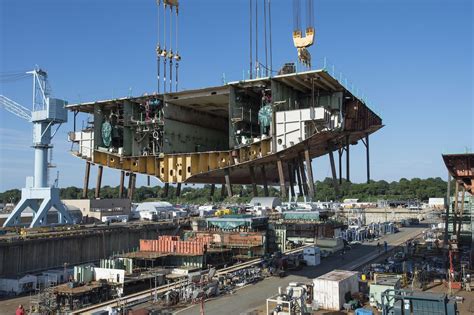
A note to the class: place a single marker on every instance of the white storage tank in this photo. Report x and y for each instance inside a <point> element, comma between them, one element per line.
<point>329,289</point>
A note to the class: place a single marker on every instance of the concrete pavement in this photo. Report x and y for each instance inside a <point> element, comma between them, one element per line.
<point>254,296</point>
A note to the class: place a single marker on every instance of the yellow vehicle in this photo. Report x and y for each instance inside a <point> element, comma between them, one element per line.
<point>222,212</point>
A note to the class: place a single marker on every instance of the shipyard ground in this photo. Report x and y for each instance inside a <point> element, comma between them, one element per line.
<point>253,297</point>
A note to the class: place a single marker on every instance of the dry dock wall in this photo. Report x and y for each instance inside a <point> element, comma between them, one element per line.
<point>19,256</point>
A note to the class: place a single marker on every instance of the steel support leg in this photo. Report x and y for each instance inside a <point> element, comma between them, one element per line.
<point>281,175</point>
<point>309,170</point>
<point>303,176</point>
<point>122,183</point>
<point>348,173</point>
<point>227,182</point>
<point>340,152</point>
<point>291,177</point>
<point>211,193</point>
<point>298,178</point>
<point>178,189</point>
<point>367,149</point>
<point>264,179</point>
<point>252,179</point>
<point>131,185</point>
<point>99,181</point>
<point>85,190</point>
<point>333,171</point>
<point>447,204</point>
<point>223,191</point>
<point>166,189</point>
<point>456,205</point>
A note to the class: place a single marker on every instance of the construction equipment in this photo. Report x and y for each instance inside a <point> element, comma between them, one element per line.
<point>404,302</point>
<point>46,112</point>
<point>291,302</point>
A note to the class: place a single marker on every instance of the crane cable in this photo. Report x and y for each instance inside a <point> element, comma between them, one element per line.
<point>170,54</point>
<point>250,28</point>
<point>158,48</point>
<point>177,53</point>
<point>257,67</point>
<point>265,35</point>
<point>270,29</point>
<point>164,47</point>
<point>296,15</point>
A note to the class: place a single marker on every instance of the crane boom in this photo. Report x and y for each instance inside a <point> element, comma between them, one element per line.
<point>15,108</point>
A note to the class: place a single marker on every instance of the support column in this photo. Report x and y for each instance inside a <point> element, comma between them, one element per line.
<point>348,173</point>
<point>265,184</point>
<point>281,175</point>
<point>303,175</point>
<point>340,151</point>
<point>447,204</point>
<point>122,183</point>
<point>252,179</point>
<point>131,185</point>
<point>178,189</point>
<point>461,213</point>
<point>291,172</point>
<point>333,171</point>
<point>213,189</point>
<point>227,182</point>
<point>223,191</point>
<point>166,189</point>
<point>367,151</point>
<point>85,190</point>
<point>98,182</point>
<point>455,211</point>
<point>309,170</point>
<point>298,178</point>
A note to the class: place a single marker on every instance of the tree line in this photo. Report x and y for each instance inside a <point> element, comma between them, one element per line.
<point>404,189</point>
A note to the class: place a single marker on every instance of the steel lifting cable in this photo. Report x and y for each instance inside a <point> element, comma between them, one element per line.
<point>265,35</point>
<point>164,47</point>
<point>310,13</point>
<point>251,31</point>
<point>158,48</point>
<point>177,54</point>
<point>256,38</point>
<point>270,29</point>
<point>296,15</point>
<point>170,55</point>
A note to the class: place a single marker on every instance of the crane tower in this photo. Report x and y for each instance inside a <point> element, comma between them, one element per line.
<point>46,112</point>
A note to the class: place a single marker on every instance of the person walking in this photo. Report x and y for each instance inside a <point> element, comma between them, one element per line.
<point>385,246</point>
<point>20,310</point>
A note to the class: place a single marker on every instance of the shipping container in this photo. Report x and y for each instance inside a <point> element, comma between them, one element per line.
<point>330,289</point>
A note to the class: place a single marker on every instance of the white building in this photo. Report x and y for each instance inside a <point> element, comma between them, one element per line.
<point>265,202</point>
<point>157,210</point>
<point>436,203</point>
